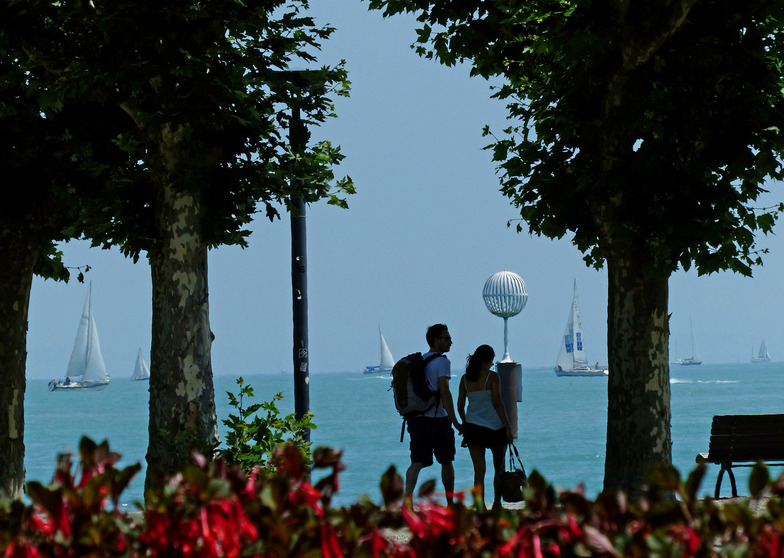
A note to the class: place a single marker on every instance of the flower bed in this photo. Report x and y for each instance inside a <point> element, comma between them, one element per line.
<point>212,509</point>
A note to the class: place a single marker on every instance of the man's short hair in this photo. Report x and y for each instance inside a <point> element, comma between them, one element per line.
<point>433,332</point>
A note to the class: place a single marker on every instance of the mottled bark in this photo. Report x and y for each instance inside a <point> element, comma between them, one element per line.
<point>638,412</point>
<point>182,398</point>
<point>16,279</point>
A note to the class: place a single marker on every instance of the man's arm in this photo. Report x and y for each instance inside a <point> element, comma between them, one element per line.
<point>447,402</point>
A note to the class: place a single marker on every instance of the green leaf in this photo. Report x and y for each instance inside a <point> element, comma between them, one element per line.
<point>759,479</point>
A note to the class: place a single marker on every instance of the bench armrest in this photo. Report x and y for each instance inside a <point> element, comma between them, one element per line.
<point>702,458</point>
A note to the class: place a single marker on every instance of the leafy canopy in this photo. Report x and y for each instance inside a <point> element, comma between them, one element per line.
<point>645,128</point>
<point>197,95</point>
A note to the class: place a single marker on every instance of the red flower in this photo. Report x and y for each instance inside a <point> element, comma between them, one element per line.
<point>507,547</point>
<point>687,537</point>
<point>377,542</point>
<point>330,547</point>
<point>770,543</point>
<point>23,550</point>
<point>250,486</point>
<point>415,524</point>
<point>41,524</point>
<point>438,518</point>
<point>306,494</point>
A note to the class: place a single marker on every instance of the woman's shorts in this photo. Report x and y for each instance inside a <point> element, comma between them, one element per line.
<point>475,435</point>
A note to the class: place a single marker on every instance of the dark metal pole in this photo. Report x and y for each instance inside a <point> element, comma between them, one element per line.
<point>299,283</point>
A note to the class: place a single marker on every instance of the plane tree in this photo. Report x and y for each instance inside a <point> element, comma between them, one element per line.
<point>645,131</point>
<point>25,240</point>
<point>40,165</point>
<point>201,94</point>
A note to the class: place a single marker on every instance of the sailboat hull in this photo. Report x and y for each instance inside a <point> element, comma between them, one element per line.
<point>74,386</point>
<point>377,370</point>
<point>582,371</point>
<point>689,362</point>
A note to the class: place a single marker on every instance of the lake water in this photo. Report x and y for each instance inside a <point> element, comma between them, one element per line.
<point>562,422</point>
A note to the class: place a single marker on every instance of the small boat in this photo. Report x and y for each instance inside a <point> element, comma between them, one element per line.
<point>141,371</point>
<point>572,359</point>
<point>689,361</point>
<point>762,355</point>
<point>86,369</point>
<point>386,361</point>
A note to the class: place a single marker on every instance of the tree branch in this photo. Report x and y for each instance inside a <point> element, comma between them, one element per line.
<point>638,47</point>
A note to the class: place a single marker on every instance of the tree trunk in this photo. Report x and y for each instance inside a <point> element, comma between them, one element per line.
<point>638,392</point>
<point>16,279</point>
<point>182,397</point>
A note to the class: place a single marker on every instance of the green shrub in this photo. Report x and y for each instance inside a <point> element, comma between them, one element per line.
<point>251,439</point>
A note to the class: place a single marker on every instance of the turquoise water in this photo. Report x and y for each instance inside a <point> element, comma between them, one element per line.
<point>562,422</point>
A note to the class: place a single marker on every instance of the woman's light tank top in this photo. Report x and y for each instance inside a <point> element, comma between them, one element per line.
<point>480,409</point>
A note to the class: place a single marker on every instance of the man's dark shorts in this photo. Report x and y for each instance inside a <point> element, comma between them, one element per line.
<point>431,436</point>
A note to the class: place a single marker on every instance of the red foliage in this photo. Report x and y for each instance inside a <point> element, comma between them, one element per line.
<point>211,510</point>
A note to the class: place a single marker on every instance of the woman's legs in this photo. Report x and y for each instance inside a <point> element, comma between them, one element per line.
<point>478,459</point>
<point>499,452</point>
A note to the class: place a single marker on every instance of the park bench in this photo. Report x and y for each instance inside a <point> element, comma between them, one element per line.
<point>742,441</point>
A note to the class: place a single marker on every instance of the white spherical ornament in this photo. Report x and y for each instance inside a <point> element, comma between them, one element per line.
<point>505,294</point>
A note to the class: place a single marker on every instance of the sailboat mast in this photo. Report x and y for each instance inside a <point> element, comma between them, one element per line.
<point>691,327</point>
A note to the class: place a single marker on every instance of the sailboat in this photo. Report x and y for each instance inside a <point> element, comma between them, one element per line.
<point>572,359</point>
<point>86,369</point>
<point>386,362</point>
<point>762,355</point>
<point>141,371</point>
<point>689,361</point>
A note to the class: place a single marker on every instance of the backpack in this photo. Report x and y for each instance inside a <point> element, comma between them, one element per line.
<point>412,394</point>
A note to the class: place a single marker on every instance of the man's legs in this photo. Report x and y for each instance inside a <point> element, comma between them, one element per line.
<point>448,478</point>
<point>412,474</point>
<point>444,450</point>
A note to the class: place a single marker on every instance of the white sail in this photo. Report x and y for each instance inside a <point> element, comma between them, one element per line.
<point>86,359</point>
<point>387,362</point>
<point>572,353</point>
<point>763,351</point>
<point>762,355</point>
<point>141,371</point>
<point>86,368</point>
<point>572,359</point>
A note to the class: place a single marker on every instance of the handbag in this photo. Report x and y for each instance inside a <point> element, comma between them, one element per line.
<point>513,479</point>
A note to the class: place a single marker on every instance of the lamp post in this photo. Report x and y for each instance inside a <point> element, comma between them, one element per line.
<point>299,283</point>
<point>298,138</point>
<point>505,295</point>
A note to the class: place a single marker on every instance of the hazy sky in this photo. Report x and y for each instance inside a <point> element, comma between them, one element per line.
<point>422,235</point>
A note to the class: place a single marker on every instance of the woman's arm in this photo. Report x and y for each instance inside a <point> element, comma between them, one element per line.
<point>498,404</point>
<point>461,399</point>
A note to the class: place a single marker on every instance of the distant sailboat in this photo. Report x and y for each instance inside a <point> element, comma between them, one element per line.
<point>692,360</point>
<point>86,369</point>
<point>572,359</point>
<point>762,355</point>
<point>141,371</point>
<point>386,361</point>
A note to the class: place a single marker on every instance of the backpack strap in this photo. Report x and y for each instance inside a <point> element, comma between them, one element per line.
<point>436,392</point>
